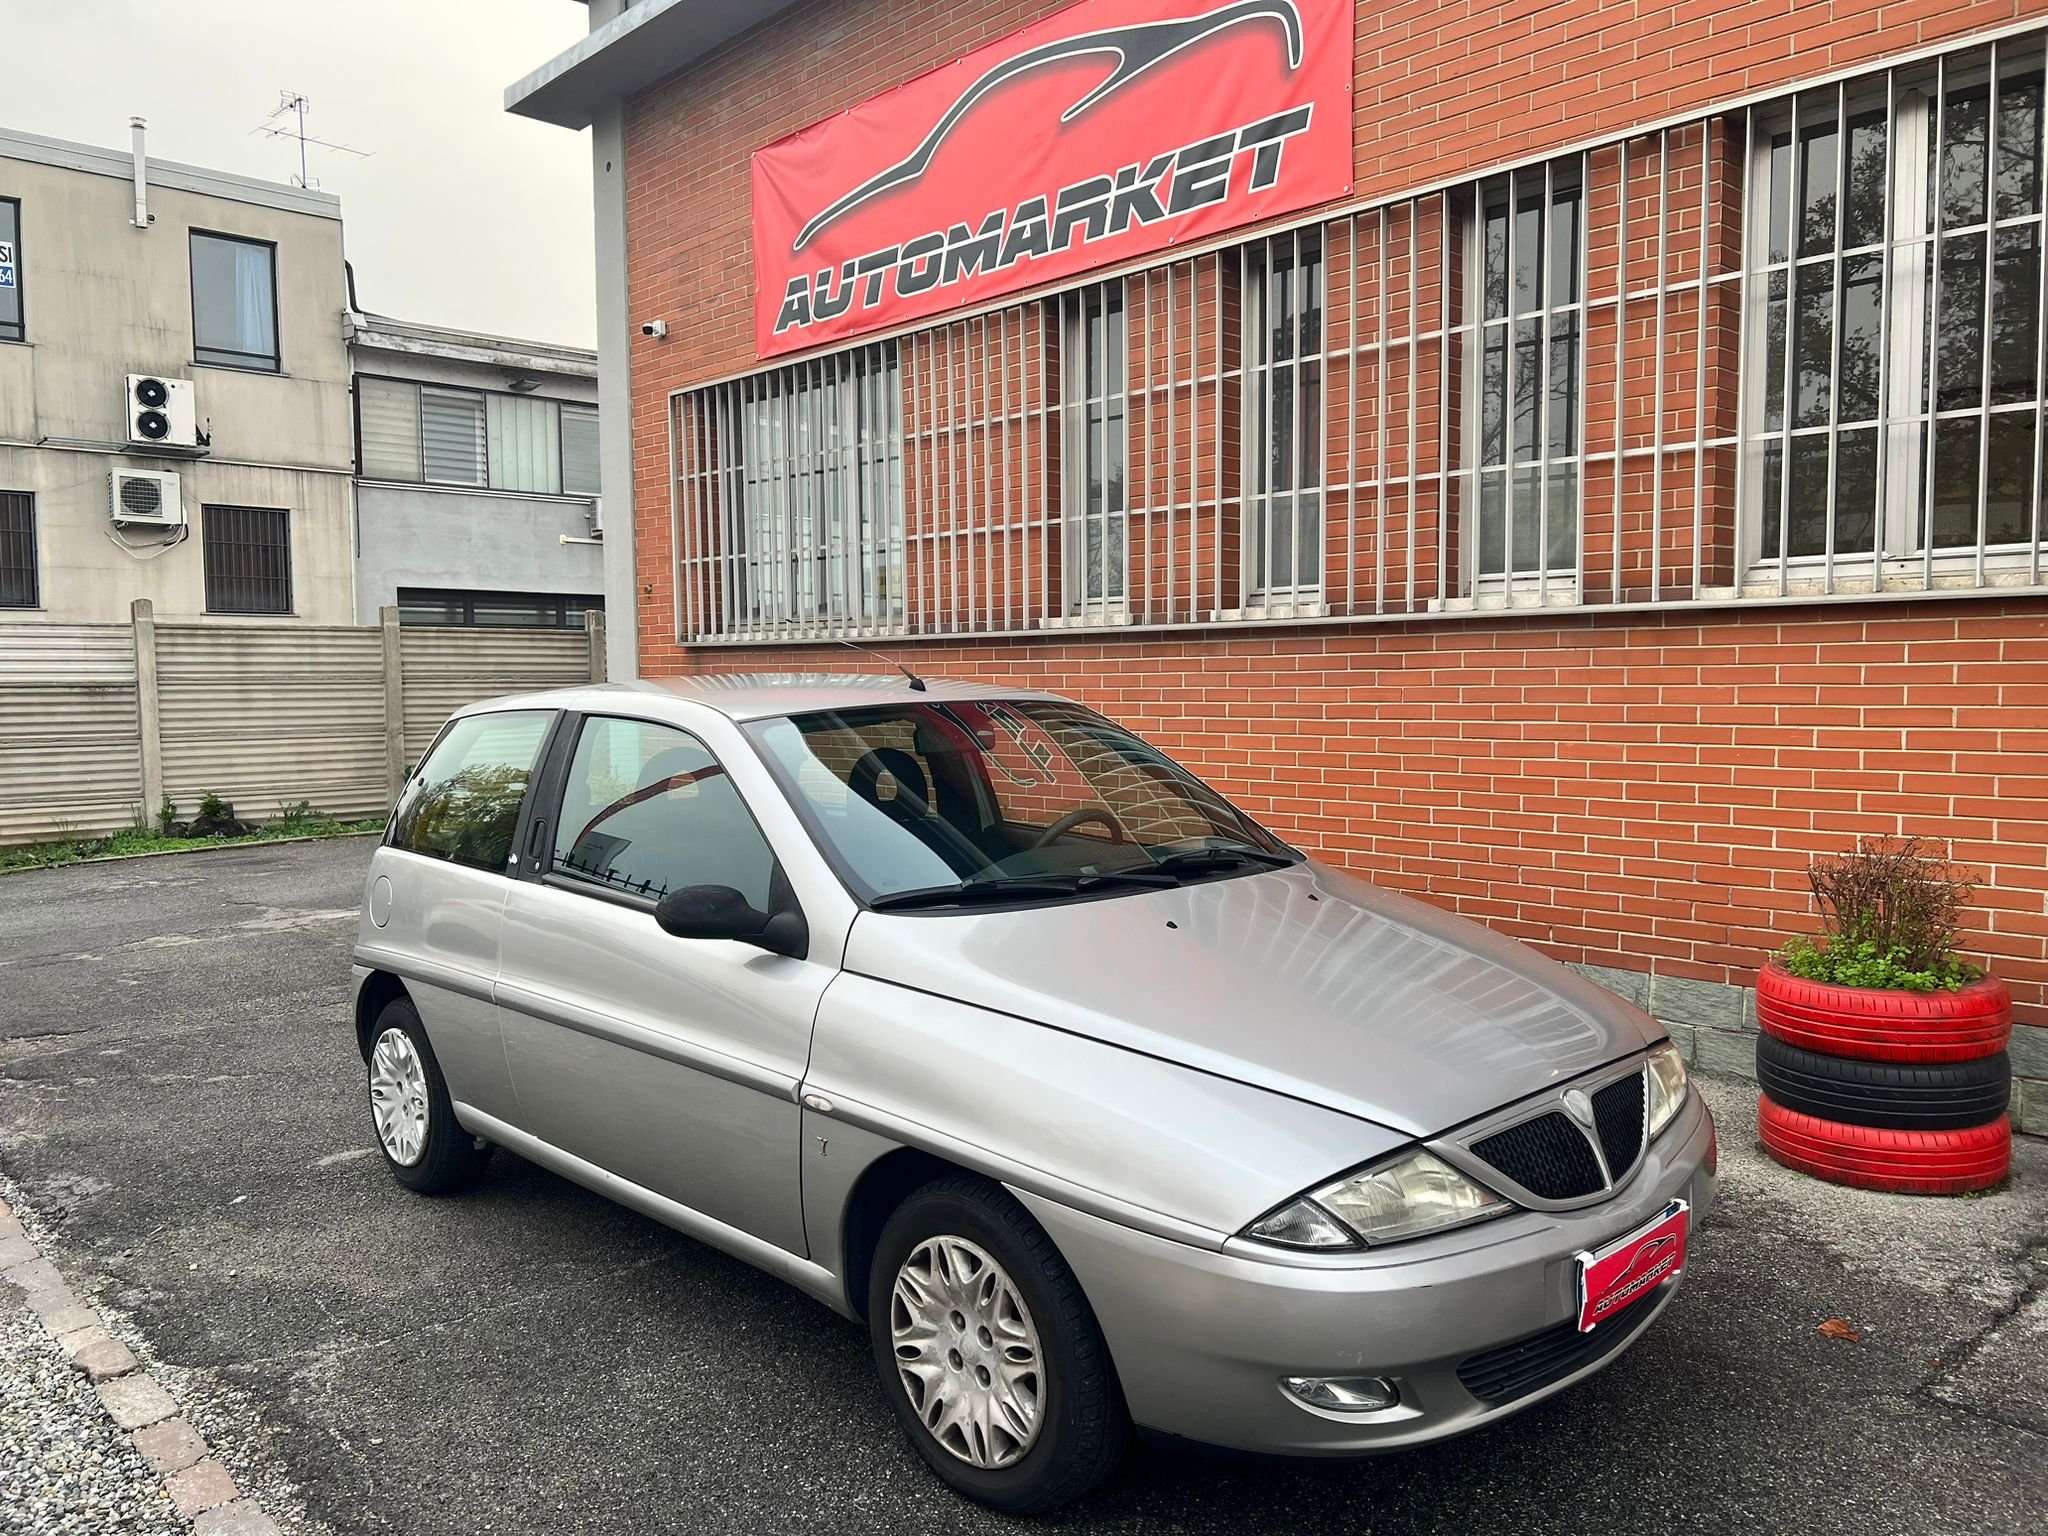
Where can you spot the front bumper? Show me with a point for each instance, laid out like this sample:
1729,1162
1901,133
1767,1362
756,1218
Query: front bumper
1201,1338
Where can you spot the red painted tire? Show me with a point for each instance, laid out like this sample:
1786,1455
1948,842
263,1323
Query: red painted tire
1903,1162
1875,1024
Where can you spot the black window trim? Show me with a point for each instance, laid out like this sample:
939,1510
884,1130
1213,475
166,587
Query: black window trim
291,593
356,400
539,865
534,782
275,362
35,561
468,596
20,279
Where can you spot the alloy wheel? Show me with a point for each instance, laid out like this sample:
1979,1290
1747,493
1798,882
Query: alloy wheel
398,1097
967,1352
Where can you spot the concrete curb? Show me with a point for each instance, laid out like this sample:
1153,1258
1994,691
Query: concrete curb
173,853
199,1487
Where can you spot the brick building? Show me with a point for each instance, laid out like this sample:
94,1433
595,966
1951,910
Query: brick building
1454,521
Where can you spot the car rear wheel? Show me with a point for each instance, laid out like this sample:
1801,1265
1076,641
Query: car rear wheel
410,1110
989,1352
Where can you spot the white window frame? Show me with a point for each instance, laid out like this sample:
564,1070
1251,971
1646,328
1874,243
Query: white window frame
1545,581
1307,458
1086,426
1905,386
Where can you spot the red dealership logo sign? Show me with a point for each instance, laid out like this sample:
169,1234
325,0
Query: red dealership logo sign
1112,129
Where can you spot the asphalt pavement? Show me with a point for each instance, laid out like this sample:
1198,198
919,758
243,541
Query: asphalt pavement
181,1111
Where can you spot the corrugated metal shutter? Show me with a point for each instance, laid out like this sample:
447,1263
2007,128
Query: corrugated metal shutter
525,438
579,450
70,731
390,414
266,715
448,668
452,436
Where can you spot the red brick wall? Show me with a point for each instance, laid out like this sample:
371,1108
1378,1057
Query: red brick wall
1622,790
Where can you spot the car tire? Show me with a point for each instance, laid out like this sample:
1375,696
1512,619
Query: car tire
1079,1428
1878,1024
1901,1162
426,1151
1949,1096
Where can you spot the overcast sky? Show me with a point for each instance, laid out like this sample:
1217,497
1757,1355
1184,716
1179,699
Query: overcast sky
461,215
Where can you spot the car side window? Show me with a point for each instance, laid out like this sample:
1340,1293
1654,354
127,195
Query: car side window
646,809
463,804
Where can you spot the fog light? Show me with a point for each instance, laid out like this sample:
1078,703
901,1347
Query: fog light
1343,1394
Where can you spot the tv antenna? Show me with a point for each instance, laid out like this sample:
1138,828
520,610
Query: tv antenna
287,120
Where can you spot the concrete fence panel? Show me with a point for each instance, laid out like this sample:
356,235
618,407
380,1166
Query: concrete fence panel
70,733
269,715
445,669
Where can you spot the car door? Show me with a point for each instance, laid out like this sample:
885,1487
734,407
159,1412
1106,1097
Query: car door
434,911
672,1063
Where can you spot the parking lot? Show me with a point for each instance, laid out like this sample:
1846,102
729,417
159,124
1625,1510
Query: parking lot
181,1109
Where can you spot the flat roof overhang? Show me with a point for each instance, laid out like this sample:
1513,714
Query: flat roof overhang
645,43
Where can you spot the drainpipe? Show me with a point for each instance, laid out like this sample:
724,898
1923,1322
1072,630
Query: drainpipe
136,126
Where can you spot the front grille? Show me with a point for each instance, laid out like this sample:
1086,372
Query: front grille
1546,1156
1618,1115
1500,1375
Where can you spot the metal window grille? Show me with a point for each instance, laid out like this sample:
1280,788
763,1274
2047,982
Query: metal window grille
248,559
790,488
1563,382
17,550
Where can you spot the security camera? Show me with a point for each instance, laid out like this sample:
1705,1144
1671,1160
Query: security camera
654,328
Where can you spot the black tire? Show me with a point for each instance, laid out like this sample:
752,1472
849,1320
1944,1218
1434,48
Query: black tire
1084,1428
1944,1096
450,1158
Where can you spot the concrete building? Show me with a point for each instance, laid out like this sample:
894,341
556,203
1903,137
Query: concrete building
476,477
231,470
1572,463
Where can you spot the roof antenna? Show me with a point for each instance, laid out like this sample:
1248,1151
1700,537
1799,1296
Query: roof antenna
916,682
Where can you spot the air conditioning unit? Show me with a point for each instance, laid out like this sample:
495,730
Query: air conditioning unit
146,496
162,413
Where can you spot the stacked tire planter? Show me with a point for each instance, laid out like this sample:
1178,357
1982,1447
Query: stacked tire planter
1900,1091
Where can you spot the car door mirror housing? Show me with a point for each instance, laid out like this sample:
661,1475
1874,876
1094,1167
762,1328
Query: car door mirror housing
720,912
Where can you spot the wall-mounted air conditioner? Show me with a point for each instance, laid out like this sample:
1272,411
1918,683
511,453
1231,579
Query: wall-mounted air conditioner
162,413
146,496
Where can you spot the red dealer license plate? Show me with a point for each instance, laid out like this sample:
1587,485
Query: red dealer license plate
1627,1270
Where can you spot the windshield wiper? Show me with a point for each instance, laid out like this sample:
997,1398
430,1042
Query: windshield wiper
1195,861
994,889
1001,888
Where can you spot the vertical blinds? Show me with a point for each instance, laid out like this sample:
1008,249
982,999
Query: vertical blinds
579,450
524,437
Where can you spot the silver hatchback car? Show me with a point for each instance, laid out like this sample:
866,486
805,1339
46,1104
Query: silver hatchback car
979,1019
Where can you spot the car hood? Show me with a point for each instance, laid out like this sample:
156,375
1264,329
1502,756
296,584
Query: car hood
1303,981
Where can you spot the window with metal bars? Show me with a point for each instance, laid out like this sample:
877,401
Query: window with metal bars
248,559
1282,304
1525,257
1094,400
1895,278
17,550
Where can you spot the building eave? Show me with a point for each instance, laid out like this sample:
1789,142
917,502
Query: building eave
645,43
120,164
381,333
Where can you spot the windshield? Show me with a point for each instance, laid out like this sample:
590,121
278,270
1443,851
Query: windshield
1020,799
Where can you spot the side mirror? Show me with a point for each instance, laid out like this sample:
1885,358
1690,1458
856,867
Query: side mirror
720,912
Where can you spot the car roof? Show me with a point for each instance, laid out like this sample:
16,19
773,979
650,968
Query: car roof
742,696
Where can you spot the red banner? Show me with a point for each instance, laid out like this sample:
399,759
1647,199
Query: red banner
1109,130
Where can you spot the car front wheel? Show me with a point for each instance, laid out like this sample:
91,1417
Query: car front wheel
989,1351
410,1111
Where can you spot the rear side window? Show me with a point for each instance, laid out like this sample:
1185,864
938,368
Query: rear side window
647,810
463,805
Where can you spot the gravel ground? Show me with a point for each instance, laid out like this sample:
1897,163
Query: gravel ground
64,1467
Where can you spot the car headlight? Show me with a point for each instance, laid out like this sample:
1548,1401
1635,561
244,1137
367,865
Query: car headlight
1409,1196
1667,1085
